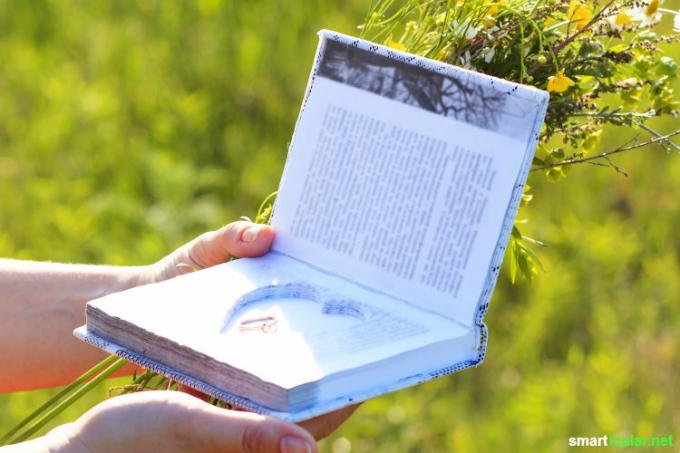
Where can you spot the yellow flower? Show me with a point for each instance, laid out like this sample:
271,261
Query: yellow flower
548,22
652,6
617,22
580,14
622,19
396,45
559,83
494,8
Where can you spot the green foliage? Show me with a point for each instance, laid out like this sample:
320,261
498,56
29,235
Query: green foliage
160,119
126,129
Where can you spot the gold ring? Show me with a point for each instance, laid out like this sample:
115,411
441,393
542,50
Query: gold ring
266,324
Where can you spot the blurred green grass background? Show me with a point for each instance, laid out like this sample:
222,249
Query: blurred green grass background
127,128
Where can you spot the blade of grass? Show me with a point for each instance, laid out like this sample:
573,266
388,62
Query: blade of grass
117,364
66,390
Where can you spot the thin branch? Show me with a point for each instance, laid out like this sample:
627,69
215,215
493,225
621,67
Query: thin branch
615,114
609,164
621,149
658,135
614,166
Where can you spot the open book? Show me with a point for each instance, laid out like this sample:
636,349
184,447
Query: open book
398,196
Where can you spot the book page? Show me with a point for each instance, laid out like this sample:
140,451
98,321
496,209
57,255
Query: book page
320,329
400,179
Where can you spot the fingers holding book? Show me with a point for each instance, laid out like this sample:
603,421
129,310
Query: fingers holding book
234,240
170,421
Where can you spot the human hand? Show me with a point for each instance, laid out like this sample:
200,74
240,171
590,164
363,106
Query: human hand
235,240
167,421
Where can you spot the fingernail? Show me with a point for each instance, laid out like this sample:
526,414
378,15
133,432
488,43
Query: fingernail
250,234
290,444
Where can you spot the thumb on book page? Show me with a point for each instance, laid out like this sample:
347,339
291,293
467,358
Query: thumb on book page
242,239
235,240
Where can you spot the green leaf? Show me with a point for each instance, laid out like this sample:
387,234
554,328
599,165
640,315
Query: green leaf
516,233
558,154
667,66
554,174
589,48
647,35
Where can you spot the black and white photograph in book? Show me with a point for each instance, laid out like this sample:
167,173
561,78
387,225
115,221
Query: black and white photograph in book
467,98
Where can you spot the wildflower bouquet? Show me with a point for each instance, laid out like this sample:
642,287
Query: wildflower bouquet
602,61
